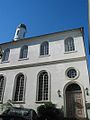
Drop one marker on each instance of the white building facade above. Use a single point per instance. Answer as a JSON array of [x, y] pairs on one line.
[[47, 68]]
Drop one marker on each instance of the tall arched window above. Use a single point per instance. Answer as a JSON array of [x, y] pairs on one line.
[[19, 91], [2, 81], [5, 56], [43, 86], [44, 48], [24, 52], [69, 44]]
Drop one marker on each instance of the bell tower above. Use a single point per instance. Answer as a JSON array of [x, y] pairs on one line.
[[20, 32]]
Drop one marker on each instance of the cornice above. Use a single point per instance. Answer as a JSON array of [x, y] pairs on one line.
[[43, 63]]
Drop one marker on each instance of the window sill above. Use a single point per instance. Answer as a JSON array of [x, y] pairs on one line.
[[18, 102], [5, 62], [41, 56], [42, 101], [68, 52], [21, 59]]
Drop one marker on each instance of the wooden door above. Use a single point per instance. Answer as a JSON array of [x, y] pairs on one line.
[[74, 104]]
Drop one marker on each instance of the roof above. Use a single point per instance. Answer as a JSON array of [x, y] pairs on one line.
[[12, 41], [22, 25]]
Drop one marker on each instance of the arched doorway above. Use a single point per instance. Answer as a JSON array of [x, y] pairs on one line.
[[74, 101]]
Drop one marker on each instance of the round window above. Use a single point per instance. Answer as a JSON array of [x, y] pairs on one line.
[[72, 73]]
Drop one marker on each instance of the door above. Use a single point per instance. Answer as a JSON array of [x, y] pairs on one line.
[[74, 102]]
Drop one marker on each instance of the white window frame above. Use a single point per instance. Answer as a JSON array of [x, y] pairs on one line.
[[44, 48], [69, 44], [77, 75], [24, 89], [3, 87], [49, 88], [6, 54], [22, 53]]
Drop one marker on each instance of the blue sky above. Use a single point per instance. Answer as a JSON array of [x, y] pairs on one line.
[[42, 17]]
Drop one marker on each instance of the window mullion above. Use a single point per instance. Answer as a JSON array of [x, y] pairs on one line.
[[43, 49], [19, 90], [43, 89]]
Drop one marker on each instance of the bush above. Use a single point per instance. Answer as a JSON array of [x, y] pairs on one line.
[[48, 111]]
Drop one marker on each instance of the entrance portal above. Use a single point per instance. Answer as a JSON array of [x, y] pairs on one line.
[[74, 101]]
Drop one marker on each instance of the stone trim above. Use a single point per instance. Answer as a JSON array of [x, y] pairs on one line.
[[43, 63]]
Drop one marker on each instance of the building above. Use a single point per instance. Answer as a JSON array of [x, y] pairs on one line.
[[51, 67]]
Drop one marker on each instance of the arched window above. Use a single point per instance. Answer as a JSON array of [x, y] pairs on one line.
[[24, 52], [2, 81], [43, 86], [44, 48], [69, 44], [19, 91], [73, 87], [5, 56]]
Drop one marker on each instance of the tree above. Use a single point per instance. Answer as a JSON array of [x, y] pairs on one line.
[[48, 111]]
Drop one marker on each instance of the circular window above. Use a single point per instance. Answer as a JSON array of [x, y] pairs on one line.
[[72, 73]]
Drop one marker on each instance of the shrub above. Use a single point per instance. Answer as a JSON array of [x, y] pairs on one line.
[[48, 111]]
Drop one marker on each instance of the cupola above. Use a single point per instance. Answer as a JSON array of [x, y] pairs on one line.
[[20, 32]]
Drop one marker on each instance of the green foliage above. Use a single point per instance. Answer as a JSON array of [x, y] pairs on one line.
[[48, 111]]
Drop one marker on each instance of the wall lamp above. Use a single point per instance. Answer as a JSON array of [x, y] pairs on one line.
[[87, 93], [59, 93]]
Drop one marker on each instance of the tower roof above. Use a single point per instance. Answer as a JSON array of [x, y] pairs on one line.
[[22, 25]]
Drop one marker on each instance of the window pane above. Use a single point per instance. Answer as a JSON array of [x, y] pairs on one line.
[[1, 86], [69, 44], [72, 73], [43, 86], [6, 55], [19, 92], [44, 48], [24, 52], [40, 87]]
